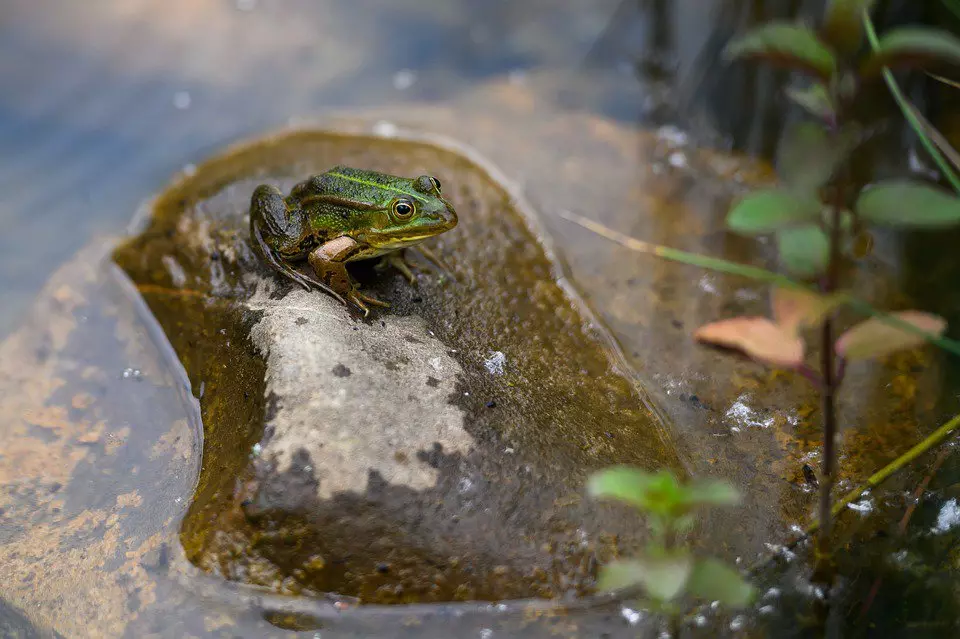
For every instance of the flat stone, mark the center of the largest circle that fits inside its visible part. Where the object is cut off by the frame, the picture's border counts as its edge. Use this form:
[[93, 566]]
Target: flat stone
[[354, 402]]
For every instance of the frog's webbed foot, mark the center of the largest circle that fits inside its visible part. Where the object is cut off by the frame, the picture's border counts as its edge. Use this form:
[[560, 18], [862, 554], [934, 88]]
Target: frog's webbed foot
[[329, 263]]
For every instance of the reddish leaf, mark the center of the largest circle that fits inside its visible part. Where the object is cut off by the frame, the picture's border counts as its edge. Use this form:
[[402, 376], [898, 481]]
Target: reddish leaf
[[756, 337], [911, 47], [790, 45], [795, 309], [843, 25], [874, 338]]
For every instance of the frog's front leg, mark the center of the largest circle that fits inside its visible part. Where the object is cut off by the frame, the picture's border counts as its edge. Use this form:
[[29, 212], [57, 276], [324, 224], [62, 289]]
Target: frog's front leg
[[272, 225], [399, 260], [329, 262]]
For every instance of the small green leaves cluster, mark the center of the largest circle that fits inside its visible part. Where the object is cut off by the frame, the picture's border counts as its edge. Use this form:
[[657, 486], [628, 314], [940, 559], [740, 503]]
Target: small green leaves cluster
[[668, 570], [812, 152]]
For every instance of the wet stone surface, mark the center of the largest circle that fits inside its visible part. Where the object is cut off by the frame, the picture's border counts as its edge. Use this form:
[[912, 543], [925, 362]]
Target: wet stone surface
[[436, 451]]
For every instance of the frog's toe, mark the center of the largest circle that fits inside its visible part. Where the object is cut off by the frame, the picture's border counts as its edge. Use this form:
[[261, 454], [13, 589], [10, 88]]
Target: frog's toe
[[360, 300], [434, 259], [400, 262]]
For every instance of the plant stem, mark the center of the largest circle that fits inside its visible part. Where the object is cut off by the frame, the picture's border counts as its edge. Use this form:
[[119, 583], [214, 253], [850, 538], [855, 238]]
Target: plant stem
[[828, 409], [830, 383]]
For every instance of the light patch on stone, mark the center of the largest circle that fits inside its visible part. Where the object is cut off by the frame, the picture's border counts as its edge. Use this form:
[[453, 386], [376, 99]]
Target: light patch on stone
[[864, 506], [948, 518], [743, 416], [359, 423], [495, 363], [632, 616], [177, 275]]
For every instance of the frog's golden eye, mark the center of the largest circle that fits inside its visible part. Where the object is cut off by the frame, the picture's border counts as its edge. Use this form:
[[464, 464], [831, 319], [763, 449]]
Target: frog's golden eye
[[436, 183], [403, 209]]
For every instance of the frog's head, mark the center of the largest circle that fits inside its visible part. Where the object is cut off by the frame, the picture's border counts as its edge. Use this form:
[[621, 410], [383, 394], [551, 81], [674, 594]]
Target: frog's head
[[416, 211]]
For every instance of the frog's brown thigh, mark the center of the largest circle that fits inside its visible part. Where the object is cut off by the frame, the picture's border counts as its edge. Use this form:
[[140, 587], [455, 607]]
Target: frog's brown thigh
[[329, 263]]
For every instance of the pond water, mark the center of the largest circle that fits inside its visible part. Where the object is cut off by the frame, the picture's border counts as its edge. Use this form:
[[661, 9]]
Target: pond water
[[104, 101]]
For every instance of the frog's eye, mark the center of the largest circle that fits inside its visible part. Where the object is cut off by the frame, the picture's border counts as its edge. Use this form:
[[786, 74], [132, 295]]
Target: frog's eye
[[403, 209], [436, 183]]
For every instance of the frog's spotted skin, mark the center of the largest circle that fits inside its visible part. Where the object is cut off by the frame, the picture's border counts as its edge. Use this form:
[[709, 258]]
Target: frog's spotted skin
[[344, 215]]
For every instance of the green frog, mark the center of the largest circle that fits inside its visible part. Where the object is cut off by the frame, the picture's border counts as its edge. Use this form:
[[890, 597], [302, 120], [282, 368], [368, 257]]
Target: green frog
[[344, 215]]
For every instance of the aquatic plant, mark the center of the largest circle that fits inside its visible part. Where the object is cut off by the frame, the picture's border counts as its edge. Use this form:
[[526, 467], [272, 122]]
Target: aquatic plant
[[667, 572], [820, 218], [817, 213]]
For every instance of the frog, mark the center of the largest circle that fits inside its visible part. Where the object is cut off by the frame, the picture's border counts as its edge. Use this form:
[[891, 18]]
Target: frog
[[344, 215]]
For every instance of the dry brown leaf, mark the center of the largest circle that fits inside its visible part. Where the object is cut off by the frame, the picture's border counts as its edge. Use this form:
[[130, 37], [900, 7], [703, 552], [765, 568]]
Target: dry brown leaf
[[757, 337], [874, 338], [795, 309]]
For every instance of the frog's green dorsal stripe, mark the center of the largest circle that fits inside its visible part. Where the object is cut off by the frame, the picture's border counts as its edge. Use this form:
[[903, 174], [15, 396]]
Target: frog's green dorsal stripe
[[378, 186]]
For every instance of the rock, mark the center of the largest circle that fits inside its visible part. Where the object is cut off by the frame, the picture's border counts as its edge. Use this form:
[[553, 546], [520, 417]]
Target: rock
[[355, 399], [370, 442]]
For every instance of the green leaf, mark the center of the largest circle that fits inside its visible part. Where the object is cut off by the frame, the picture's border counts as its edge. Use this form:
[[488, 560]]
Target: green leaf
[[772, 209], [713, 492], [842, 25], [809, 156], [815, 100], [714, 581], [662, 577], [911, 47], [785, 44], [909, 204], [804, 251], [873, 338], [620, 574], [657, 492]]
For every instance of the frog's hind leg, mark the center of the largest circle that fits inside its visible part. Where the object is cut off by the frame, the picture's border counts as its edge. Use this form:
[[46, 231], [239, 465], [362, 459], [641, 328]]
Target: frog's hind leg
[[329, 261], [266, 253], [267, 207]]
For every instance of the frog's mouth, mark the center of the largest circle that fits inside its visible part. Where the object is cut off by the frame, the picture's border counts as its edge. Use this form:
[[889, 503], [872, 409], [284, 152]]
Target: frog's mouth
[[400, 242]]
